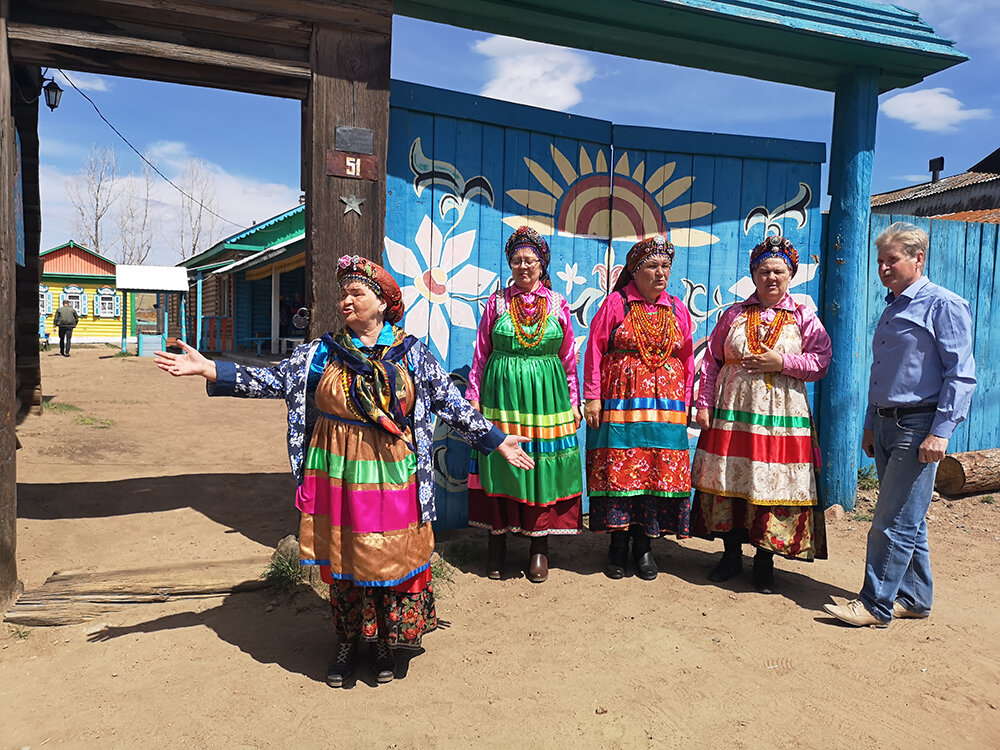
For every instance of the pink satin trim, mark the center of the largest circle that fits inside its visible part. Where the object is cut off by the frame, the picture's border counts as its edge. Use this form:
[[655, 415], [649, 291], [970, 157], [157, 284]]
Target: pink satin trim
[[362, 511]]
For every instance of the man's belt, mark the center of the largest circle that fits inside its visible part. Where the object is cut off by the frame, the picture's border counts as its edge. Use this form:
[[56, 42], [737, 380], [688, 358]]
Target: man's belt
[[895, 412]]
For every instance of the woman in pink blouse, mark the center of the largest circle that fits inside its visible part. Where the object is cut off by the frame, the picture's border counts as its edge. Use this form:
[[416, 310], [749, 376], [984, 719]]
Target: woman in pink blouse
[[754, 471], [523, 379], [638, 375]]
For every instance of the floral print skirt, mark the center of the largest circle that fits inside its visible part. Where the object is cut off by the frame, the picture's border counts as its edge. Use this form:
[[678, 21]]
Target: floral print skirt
[[656, 516], [370, 613], [793, 531]]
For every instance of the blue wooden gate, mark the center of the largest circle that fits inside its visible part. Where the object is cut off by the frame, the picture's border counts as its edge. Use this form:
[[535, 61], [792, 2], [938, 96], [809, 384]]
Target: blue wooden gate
[[464, 171]]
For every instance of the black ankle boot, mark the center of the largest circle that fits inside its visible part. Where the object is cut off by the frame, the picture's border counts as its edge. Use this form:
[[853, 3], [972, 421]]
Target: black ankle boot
[[384, 663], [731, 563], [642, 555], [617, 555], [342, 666], [763, 572]]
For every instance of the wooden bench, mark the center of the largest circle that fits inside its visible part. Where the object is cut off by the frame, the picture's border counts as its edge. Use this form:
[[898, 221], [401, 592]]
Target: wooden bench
[[257, 341], [287, 343]]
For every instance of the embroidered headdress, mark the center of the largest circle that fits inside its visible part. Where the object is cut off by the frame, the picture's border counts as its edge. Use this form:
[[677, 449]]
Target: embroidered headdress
[[641, 251], [355, 268], [775, 247], [529, 238]]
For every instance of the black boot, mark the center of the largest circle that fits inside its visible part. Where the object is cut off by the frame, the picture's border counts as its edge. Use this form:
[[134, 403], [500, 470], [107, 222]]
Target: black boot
[[731, 563], [617, 555], [342, 666], [763, 572], [642, 555], [384, 664]]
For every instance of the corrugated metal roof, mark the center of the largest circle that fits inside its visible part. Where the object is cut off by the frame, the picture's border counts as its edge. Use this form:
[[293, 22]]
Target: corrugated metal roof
[[933, 188], [808, 43], [983, 216]]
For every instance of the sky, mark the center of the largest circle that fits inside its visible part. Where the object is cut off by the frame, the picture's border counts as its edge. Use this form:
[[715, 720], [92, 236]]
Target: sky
[[249, 144]]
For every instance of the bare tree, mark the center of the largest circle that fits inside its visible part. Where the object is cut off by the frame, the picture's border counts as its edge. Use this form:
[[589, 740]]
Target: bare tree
[[197, 225], [134, 224], [93, 192]]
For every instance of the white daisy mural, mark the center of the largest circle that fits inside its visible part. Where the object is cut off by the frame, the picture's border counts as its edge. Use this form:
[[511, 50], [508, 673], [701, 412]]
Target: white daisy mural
[[442, 283]]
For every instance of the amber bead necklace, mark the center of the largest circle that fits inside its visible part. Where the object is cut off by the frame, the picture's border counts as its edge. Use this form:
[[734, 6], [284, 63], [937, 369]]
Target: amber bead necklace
[[524, 318]]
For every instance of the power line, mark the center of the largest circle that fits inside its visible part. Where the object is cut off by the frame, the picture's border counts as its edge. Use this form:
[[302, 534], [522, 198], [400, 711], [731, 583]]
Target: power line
[[142, 156]]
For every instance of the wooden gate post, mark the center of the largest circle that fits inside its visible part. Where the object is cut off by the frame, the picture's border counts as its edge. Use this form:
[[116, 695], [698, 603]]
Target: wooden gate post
[[843, 391], [10, 586], [343, 174]]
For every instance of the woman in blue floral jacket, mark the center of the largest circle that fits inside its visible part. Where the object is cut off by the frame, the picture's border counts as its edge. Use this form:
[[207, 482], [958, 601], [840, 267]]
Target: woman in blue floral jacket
[[360, 404]]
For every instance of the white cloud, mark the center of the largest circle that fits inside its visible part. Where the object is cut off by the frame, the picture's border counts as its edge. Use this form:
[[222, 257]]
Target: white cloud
[[935, 110], [913, 179], [83, 81], [238, 198], [533, 73]]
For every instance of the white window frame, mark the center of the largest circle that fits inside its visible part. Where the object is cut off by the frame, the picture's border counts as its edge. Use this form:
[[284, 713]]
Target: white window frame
[[75, 300], [105, 304], [43, 308]]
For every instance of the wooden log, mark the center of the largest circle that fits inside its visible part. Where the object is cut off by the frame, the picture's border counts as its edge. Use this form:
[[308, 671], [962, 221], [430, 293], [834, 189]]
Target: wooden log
[[350, 86], [71, 597], [966, 473], [9, 583]]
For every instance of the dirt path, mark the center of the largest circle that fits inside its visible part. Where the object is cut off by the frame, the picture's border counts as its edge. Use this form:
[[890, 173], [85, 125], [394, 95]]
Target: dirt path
[[580, 660]]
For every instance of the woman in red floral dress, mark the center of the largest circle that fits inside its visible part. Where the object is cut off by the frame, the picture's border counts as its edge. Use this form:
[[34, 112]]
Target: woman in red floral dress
[[638, 376]]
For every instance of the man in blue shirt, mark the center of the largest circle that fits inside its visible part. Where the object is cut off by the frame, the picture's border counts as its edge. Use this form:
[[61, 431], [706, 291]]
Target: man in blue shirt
[[921, 383]]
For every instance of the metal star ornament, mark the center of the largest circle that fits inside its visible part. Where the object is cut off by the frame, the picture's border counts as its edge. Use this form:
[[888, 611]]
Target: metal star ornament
[[352, 203]]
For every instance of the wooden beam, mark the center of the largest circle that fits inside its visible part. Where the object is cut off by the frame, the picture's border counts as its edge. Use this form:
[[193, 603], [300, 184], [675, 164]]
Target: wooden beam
[[842, 403], [187, 14], [175, 63], [9, 584], [350, 86], [39, 36]]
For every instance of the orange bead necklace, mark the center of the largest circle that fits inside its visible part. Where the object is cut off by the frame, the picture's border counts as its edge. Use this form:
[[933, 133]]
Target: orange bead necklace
[[524, 318], [754, 323], [656, 333]]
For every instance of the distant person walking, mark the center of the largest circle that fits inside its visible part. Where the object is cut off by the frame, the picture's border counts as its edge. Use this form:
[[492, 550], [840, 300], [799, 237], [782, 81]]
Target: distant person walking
[[921, 384], [65, 320]]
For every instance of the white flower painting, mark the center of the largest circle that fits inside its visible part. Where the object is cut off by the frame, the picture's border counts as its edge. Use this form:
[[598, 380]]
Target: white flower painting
[[443, 283]]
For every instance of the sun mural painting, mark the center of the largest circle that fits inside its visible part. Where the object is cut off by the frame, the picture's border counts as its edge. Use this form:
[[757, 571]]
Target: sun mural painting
[[589, 199]]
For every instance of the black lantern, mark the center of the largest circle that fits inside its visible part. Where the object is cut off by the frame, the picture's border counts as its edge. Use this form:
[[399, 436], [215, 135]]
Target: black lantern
[[52, 94]]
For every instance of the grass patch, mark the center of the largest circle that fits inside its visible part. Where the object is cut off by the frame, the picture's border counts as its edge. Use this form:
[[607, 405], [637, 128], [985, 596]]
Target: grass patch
[[441, 571], [461, 554], [60, 408], [867, 478], [19, 632], [988, 500], [95, 422], [863, 516], [283, 573], [122, 355]]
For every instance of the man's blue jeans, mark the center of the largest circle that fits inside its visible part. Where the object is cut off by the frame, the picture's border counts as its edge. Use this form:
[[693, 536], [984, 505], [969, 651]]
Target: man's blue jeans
[[898, 564]]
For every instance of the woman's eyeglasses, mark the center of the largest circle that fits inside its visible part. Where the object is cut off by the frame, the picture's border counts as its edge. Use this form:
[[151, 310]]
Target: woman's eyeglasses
[[523, 263]]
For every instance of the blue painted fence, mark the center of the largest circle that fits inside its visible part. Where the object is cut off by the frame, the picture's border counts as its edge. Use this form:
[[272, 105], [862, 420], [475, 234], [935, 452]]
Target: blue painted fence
[[464, 171]]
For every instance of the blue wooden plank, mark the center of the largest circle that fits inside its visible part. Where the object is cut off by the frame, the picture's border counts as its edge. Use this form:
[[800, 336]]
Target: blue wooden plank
[[430, 100], [717, 144], [984, 415]]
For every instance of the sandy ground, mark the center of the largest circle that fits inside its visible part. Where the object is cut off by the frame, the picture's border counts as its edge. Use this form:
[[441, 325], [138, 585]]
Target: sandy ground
[[579, 660]]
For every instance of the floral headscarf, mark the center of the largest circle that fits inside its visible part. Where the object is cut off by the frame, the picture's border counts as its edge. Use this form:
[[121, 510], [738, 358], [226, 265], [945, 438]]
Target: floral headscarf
[[642, 251]]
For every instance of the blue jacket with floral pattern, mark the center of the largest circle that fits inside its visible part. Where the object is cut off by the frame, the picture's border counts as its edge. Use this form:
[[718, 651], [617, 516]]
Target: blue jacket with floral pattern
[[435, 394]]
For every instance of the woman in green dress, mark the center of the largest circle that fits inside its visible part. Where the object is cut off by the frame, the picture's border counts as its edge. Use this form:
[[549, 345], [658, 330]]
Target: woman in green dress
[[524, 380]]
